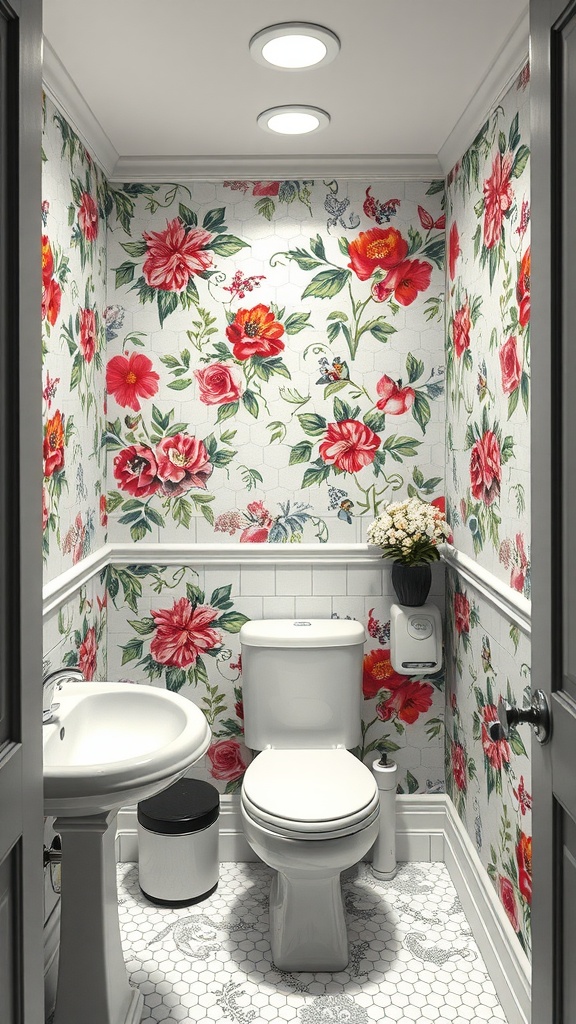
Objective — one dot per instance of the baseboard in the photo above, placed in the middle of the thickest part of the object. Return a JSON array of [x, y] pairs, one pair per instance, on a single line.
[[507, 964]]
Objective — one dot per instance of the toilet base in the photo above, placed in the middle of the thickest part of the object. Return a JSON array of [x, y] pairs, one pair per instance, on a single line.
[[308, 924]]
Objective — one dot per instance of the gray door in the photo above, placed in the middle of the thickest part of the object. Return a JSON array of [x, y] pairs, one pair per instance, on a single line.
[[21, 885], [553, 333]]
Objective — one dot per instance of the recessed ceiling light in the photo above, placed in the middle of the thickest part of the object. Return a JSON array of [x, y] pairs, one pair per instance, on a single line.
[[293, 120], [294, 45]]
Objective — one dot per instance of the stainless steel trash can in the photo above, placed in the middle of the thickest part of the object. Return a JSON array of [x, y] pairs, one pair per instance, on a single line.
[[178, 843]]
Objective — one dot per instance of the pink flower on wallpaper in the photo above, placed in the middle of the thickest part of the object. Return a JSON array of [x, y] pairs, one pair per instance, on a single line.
[[376, 249], [135, 469], [130, 378], [519, 565], [508, 900], [88, 217], [51, 301], [497, 751], [393, 400], [183, 462], [406, 702], [524, 862], [182, 633], [54, 443], [228, 760], [404, 282], [174, 255], [45, 508], [461, 327], [87, 654], [523, 289], [498, 198], [47, 261], [454, 249], [103, 511], [459, 767], [88, 335], [510, 368], [266, 188], [461, 613], [75, 540], [486, 468], [349, 445], [523, 797], [257, 532], [218, 385]]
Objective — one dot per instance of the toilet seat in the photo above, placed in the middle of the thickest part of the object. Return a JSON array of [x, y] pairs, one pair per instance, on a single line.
[[310, 794]]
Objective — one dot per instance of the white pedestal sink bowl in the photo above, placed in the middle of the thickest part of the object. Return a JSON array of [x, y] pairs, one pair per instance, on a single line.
[[106, 745]]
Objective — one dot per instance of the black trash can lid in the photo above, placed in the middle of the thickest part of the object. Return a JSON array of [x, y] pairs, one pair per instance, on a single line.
[[189, 805]]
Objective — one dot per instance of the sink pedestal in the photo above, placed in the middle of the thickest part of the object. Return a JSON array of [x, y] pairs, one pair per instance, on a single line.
[[93, 985]]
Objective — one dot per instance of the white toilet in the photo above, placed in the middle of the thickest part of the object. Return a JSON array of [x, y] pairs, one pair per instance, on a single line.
[[309, 807]]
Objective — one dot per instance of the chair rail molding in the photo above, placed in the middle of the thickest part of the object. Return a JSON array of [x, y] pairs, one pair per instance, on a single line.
[[513, 605]]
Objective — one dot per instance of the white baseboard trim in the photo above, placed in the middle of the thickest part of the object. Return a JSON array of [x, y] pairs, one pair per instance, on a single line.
[[507, 964]]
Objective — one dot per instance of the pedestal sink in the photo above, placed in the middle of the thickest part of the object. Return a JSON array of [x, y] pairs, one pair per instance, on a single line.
[[107, 745]]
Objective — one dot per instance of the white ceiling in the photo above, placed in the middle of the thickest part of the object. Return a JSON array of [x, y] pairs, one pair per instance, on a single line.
[[174, 79]]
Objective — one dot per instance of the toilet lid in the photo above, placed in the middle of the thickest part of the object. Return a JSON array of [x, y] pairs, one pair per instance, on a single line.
[[310, 791]]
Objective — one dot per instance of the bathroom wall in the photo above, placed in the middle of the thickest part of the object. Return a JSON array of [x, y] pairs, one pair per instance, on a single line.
[[487, 490]]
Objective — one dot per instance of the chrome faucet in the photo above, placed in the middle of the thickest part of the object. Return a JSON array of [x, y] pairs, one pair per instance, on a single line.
[[51, 683]]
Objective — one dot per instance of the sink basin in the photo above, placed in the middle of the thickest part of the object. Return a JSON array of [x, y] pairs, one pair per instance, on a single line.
[[111, 744]]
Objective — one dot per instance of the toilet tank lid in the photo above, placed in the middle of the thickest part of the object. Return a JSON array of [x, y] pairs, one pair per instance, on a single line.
[[302, 633]]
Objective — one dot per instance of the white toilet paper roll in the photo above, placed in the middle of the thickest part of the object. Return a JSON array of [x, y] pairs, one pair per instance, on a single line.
[[384, 849]]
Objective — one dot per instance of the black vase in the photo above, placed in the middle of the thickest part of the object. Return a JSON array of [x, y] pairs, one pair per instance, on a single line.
[[412, 583]]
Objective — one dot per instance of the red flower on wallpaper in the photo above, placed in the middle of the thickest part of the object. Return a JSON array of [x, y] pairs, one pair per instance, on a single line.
[[510, 368], [174, 255], [53, 446], [523, 290], [427, 220], [103, 511], [183, 462], [258, 531], [135, 469], [376, 249], [51, 301], [130, 378], [404, 282], [349, 445], [45, 508], [182, 633], [486, 468], [461, 327], [454, 249], [87, 654], [266, 188], [227, 760], [497, 751], [524, 862], [459, 767], [508, 900], [498, 198], [520, 565], [393, 400], [255, 332], [461, 613], [47, 261], [406, 702], [378, 673], [88, 217], [217, 385], [523, 796], [88, 335]]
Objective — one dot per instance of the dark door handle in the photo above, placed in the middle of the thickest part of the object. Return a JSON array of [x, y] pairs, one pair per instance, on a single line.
[[537, 715]]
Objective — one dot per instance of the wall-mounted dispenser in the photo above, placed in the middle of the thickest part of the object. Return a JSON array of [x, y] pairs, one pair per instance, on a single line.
[[415, 639]]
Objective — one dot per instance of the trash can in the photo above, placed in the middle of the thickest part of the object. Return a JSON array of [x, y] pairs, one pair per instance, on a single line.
[[178, 843]]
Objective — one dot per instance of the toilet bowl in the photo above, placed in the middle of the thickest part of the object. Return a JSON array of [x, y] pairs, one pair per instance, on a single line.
[[309, 814]]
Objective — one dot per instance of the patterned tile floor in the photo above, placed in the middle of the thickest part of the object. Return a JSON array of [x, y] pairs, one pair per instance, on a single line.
[[413, 957]]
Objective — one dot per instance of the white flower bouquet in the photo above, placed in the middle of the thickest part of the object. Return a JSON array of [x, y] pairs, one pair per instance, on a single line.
[[409, 531]]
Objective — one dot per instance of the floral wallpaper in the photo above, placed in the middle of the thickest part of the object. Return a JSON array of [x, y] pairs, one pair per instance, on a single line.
[[487, 490], [73, 347], [273, 364]]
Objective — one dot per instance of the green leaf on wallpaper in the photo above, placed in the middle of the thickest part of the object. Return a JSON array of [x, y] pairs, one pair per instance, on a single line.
[[214, 219], [412, 782], [435, 186], [266, 367], [479, 208], [175, 679], [344, 246], [421, 410], [415, 240], [502, 142], [223, 457], [312, 423], [167, 303], [375, 419], [296, 322], [477, 238], [326, 284], [400, 448], [162, 422], [493, 262], [333, 330], [182, 512], [250, 403], [221, 597], [277, 431], [516, 744], [513, 401], [380, 329], [293, 396], [76, 371], [300, 452], [200, 501], [181, 384], [520, 161], [113, 501], [303, 258], [187, 216], [227, 410], [334, 387], [132, 650], [435, 250], [228, 245], [525, 389], [514, 134], [507, 448], [124, 273], [266, 207], [343, 411], [315, 474], [317, 247], [134, 248], [232, 622], [143, 626], [414, 368]]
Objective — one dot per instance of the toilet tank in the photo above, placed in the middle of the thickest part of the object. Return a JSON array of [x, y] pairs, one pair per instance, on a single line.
[[302, 683]]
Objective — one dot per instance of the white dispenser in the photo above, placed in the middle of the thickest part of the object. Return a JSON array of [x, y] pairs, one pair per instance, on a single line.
[[415, 639]]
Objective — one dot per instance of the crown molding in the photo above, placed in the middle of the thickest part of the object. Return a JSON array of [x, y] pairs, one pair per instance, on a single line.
[[61, 89], [496, 82], [275, 168]]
